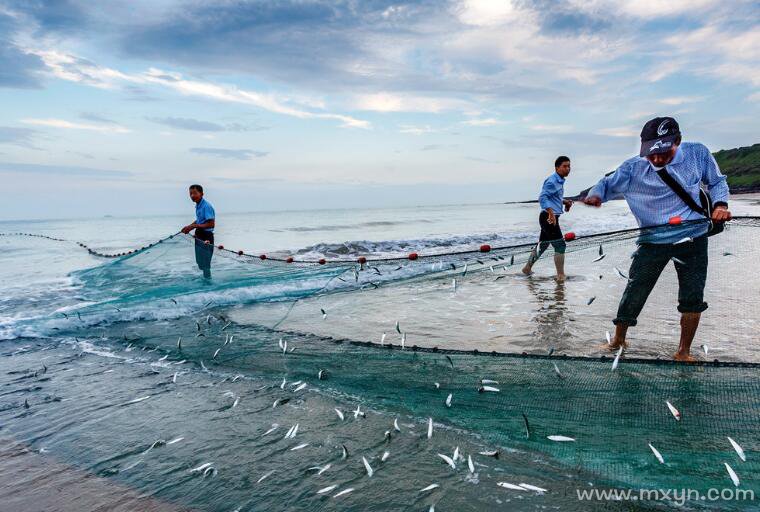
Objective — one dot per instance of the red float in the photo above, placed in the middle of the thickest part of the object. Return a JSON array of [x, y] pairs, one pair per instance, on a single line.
[[322, 261], [569, 236], [263, 257], [485, 248], [362, 260], [221, 247], [413, 256], [240, 253], [674, 221]]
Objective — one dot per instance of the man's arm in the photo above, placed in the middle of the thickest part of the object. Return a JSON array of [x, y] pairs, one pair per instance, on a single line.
[[209, 224], [717, 186], [612, 186], [549, 189]]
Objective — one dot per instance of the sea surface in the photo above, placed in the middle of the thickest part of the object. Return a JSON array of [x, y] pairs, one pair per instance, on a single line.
[[135, 384]]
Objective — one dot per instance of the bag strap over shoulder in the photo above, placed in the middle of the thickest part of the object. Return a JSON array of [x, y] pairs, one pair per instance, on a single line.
[[680, 192]]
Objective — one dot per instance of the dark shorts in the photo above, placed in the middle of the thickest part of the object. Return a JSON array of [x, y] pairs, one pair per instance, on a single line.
[[203, 250], [550, 233], [649, 261]]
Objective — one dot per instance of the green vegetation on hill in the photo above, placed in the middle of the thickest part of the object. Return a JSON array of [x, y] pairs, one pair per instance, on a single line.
[[741, 166]]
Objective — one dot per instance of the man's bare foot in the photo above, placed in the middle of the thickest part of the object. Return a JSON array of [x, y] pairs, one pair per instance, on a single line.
[[527, 271], [615, 345], [687, 358], [560, 278]]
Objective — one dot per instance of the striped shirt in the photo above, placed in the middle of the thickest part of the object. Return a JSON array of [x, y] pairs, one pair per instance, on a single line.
[[653, 203], [552, 193]]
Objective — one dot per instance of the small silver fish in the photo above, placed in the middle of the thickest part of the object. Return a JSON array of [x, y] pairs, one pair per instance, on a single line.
[[673, 411], [398, 328], [448, 400], [369, 469], [237, 401], [429, 488], [732, 474], [275, 426], [226, 325], [175, 440], [339, 413], [609, 338], [513, 487], [344, 453], [266, 475], [592, 299], [617, 358], [738, 449], [403, 341], [327, 489], [382, 339], [395, 425], [560, 439], [174, 378], [448, 460], [677, 261], [201, 468], [684, 240], [620, 273], [488, 381], [299, 388], [385, 456], [656, 453], [324, 313], [358, 412], [285, 347], [704, 347], [216, 353], [489, 389], [494, 453], [299, 447], [454, 284], [533, 488], [556, 370], [470, 464], [599, 258], [179, 343], [430, 428], [343, 492]]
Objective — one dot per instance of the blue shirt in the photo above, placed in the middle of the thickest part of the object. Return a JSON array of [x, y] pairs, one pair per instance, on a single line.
[[552, 193], [204, 212], [653, 203]]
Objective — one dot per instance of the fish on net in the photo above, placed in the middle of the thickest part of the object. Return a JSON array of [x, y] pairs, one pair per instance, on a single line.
[[515, 360]]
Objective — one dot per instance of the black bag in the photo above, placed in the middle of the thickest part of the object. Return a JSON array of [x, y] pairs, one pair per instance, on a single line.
[[706, 208]]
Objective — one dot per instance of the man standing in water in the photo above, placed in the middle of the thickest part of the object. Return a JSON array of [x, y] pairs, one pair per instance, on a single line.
[[204, 230], [654, 203], [552, 200]]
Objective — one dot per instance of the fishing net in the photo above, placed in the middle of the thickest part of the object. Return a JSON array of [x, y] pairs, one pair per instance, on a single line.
[[404, 333]]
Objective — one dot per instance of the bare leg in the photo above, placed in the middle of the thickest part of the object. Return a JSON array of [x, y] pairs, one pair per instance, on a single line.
[[528, 268], [559, 263], [621, 330], [689, 324]]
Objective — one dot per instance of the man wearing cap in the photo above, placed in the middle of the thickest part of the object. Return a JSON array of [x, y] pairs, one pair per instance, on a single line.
[[654, 202], [552, 201], [205, 221]]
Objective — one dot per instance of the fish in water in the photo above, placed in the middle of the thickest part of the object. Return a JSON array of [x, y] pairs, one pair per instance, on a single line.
[[382, 338], [620, 273], [533, 488], [174, 301], [340, 414], [358, 412], [677, 261], [465, 270], [489, 389], [732, 474], [385, 456], [324, 313], [673, 411], [299, 388], [599, 258], [344, 452], [609, 339], [507, 485], [739, 450], [437, 385], [174, 378], [512, 260], [280, 401], [282, 386], [327, 489], [224, 327], [454, 284], [292, 432], [448, 460], [430, 487], [26, 404], [136, 400], [285, 347], [202, 468], [430, 428], [369, 469], [704, 347], [275, 426], [527, 426], [488, 381], [387, 435], [617, 358], [343, 492], [450, 362], [403, 340], [494, 453], [216, 353], [470, 464], [560, 439], [175, 440], [601, 251], [448, 400], [319, 469], [398, 327], [656, 453], [266, 475], [395, 425], [592, 299], [299, 447], [500, 277], [237, 401], [198, 325], [556, 370], [179, 343]]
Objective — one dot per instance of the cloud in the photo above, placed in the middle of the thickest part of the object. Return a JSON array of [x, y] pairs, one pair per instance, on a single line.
[[23, 137], [388, 102], [479, 159], [63, 170], [417, 130], [18, 68], [186, 123], [552, 128], [68, 125], [91, 116], [489, 121], [234, 154], [680, 100], [623, 131]]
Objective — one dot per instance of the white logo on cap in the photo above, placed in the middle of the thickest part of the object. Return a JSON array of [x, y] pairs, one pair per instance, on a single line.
[[662, 130], [660, 145]]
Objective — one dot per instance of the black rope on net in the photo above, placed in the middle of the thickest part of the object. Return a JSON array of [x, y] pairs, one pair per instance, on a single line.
[[716, 363], [620, 234]]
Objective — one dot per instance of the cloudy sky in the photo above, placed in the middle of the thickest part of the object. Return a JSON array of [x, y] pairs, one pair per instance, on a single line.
[[115, 107]]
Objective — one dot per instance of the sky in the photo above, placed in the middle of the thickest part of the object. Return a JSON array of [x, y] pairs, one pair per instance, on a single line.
[[114, 108]]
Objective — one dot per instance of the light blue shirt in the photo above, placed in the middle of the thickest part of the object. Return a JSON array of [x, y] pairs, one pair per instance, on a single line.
[[204, 212], [552, 193], [653, 203]]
